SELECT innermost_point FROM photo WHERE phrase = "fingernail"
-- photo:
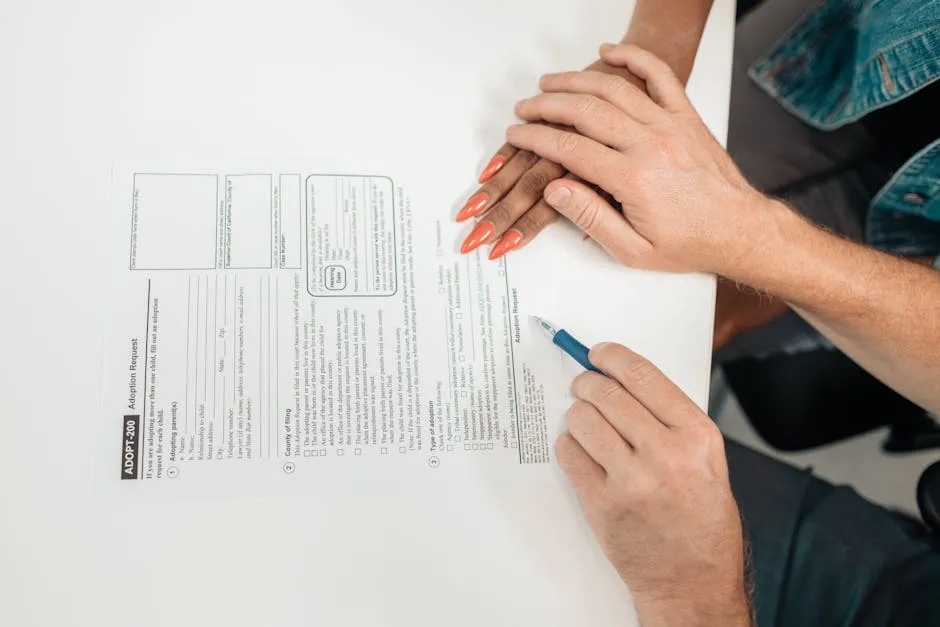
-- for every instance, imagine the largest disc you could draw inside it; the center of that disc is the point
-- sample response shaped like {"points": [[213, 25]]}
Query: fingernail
{"points": [[509, 240], [586, 237], [474, 206], [559, 197], [607, 47], [495, 165], [477, 237]]}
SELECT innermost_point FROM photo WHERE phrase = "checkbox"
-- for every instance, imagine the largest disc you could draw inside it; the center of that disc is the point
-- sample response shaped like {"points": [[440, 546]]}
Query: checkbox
{"points": [[513, 445], [306, 453], [463, 394], [476, 446], [462, 359], [450, 447], [322, 452], [358, 451], [466, 447], [457, 438], [489, 446], [384, 450], [401, 449], [459, 315], [340, 452]]}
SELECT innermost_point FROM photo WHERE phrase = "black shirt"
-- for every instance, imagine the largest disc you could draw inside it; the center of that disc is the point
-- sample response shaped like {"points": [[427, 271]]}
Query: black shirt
{"points": [[907, 126]]}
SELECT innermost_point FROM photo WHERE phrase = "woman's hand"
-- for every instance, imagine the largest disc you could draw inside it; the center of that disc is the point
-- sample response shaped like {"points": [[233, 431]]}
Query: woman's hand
{"points": [[509, 202], [686, 207], [650, 471]]}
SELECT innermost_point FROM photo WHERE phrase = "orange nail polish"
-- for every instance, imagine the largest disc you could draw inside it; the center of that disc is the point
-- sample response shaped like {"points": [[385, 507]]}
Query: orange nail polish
{"points": [[495, 165], [477, 237], [509, 240], [474, 206]]}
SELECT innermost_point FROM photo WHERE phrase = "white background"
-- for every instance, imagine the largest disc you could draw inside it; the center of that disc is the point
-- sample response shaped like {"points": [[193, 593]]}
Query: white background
{"points": [[85, 83]]}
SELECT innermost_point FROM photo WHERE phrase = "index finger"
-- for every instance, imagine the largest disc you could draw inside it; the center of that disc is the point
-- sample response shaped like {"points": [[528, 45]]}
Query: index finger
{"points": [[646, 383]]}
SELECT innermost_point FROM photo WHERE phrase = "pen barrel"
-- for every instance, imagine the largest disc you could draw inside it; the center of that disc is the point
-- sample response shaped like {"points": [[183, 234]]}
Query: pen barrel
{"points": [[577, 350]]}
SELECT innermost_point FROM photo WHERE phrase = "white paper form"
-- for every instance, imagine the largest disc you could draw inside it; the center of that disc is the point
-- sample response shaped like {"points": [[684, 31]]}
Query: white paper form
{"points": [[277, 326]]}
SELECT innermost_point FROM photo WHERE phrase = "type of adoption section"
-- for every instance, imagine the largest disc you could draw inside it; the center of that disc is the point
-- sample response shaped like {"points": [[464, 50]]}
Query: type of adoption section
{"points": [[351, 226]]}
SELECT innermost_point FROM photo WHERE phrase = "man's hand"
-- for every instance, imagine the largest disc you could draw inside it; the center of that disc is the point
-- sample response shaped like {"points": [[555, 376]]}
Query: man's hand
{"points": [[686, 207], [650, 471], [509, 202]]}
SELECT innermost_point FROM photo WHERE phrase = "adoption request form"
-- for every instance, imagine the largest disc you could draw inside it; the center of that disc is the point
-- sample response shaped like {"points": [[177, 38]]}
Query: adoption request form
{"points": [[285, 325]]}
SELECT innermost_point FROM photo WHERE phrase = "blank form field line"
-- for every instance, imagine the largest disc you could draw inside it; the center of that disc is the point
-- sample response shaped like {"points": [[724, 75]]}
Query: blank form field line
{"points": [[277, 362], [189, 312], [205, 353], [215, 344], [269, 367], [260, 418], [196, 422]]}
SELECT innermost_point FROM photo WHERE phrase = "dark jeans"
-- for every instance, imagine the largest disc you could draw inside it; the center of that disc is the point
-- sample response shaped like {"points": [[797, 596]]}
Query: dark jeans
{"points": [[822, 555], [813, 398]]}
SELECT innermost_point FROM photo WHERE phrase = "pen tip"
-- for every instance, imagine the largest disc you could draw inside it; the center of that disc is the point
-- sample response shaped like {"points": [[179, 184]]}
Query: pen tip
{"points": [[545, 325]]}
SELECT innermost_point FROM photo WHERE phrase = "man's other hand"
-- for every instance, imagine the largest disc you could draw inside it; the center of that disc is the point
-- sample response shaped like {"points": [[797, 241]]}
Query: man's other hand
{"points": [[650, 471]]}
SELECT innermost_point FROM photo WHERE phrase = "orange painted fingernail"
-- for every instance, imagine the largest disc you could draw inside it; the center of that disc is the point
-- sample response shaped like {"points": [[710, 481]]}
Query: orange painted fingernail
{"points": [[509, 240], [495, 165], [586, 237], [474, 206], [477, 237]]}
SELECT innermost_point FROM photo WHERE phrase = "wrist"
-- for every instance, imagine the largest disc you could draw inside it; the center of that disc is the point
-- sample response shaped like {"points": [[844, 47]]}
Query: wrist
{"points": [[671, 30], [758, 246]]}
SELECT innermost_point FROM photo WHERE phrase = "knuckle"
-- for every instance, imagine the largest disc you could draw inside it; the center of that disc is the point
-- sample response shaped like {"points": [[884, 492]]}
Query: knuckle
{"points": [[615, 86], [534, 182], [641, 372], [710, 436], [607, 390], [536, 219], [586, 105], [661, 145], [527, 158], [568, 143], [495, 187], [587, 215], [500, 215]]}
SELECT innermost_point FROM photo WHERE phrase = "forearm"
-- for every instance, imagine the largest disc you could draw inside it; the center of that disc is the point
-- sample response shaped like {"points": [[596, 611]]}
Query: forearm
{"points": [[671, 29], [882, 311]]}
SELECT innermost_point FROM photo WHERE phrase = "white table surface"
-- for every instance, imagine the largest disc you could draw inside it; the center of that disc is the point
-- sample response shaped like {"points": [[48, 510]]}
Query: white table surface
{"points": [[86, 83]]}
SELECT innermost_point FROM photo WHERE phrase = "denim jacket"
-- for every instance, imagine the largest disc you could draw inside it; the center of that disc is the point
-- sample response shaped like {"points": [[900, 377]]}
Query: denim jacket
{"points": [[847, 58]]}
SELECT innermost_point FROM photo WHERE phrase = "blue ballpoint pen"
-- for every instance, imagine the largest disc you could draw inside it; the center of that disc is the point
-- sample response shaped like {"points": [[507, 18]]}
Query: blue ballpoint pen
{"points": [[563, 340]]}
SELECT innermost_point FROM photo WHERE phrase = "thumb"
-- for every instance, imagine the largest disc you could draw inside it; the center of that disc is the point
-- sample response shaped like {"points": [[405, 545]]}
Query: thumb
{"points": [[594, 215]]}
